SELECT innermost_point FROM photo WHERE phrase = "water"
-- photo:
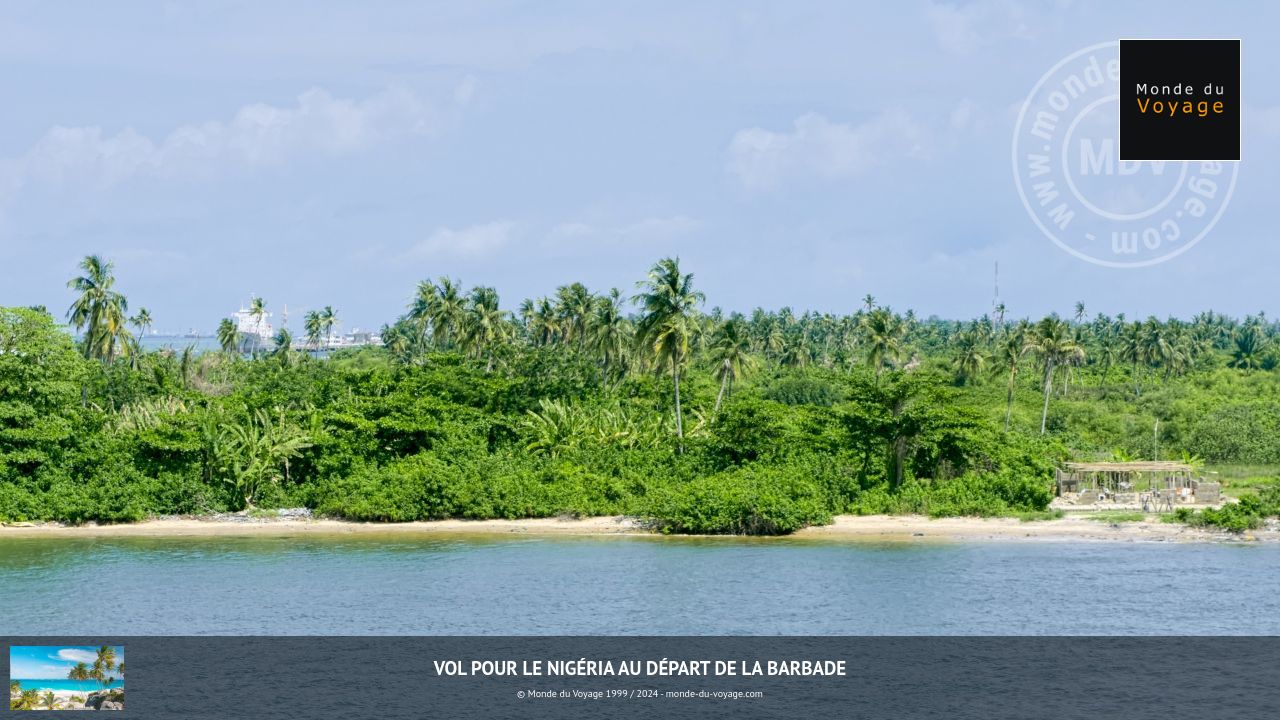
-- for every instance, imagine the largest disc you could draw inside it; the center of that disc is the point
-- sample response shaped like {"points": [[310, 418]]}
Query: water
{"points": [[631, 585], [85, 686]]}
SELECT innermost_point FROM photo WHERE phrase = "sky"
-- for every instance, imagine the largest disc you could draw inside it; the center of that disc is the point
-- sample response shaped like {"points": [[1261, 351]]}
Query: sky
{"points": [[791, 154], [50, 662]]}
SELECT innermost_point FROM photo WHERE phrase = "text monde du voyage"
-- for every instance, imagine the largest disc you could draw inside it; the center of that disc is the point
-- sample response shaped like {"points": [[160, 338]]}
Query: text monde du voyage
{"points": [[1181, 99], [583, 667]]}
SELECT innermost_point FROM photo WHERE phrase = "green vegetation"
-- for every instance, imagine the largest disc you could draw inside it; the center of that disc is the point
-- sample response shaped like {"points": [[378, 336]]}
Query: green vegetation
{"points": [[589, 403], [1117, 516], [20, 699], [1248, 514]]}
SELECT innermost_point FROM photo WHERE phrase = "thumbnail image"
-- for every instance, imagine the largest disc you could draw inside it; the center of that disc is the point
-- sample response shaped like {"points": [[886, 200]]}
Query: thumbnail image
{"points": [[57, 677]]}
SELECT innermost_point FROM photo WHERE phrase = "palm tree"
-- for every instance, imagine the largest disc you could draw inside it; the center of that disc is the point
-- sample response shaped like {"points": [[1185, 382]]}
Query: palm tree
{"points": [[142, 321], [422, 308], [29, 700], [448, 312], [608, 331], [258, 311], [541, 322], [730, 353], [574, 304], [103, 664], [185, 363], [970, 360], [80, 672], [1134, 349], [484, 324], [1250, 348], [1011, 351], [283, 347], [328, 319], [1052, 341], [99, 310], [228, 336], [883, 333], [313, 325], [668, 304], [49, 700]]}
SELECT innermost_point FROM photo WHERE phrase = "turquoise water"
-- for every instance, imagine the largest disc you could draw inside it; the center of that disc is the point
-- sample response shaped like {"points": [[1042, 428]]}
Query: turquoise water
{"points": [[72, 685], [394, 585]]}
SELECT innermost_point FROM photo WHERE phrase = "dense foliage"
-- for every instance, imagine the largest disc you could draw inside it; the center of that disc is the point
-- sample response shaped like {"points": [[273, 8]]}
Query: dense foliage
{"points": [[698, 421]]}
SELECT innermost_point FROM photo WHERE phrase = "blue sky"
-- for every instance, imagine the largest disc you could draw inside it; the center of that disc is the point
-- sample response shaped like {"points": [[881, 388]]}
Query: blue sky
{"points": [[800, 154], [51, 662]]}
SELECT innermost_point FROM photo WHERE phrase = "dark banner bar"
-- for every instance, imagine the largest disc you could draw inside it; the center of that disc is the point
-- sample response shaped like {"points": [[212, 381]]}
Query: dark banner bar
{"points": [[693, 677]]}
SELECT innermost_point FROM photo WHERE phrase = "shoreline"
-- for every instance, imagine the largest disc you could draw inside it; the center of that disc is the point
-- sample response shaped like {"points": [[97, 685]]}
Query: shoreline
{"points": [[850, 528]]}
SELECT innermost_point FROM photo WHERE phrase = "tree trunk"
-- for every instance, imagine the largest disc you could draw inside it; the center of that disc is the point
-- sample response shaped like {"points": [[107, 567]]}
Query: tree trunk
{"points": [[675, 374], [1008, 412], [1048, 390], [724, 382]]}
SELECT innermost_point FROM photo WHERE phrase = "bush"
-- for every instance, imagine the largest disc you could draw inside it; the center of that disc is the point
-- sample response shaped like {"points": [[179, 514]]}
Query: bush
{"points": [[977, 494], [1248, 514], [744, 501]]}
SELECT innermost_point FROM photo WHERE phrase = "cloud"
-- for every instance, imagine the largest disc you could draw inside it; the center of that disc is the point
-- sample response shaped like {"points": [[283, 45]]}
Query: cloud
{"points": [[963, 28], [647, 229], [74, 655], [257, 135], [816, 147], [954, 28], [476, 241]]}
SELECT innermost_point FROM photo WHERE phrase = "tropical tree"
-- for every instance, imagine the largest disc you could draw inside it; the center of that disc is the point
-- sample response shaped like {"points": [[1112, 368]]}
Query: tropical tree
{"points": [[1053, 343], [882, 338], [448, 313], [1010, 352], [27, 700], [484, 325], [256, 452], [1250, 348], [142, 321], [313, 326], [574, 306], [608, 331], [668, 304], [99, 310], [283, 347], [49, 700], [730, 356], [970, 357], [103, 664], [328, 319], [79, 672], [228, 336]]}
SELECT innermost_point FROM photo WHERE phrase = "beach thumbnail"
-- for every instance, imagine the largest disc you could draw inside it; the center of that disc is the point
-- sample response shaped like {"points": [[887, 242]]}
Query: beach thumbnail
{"points": [[66, 677]]}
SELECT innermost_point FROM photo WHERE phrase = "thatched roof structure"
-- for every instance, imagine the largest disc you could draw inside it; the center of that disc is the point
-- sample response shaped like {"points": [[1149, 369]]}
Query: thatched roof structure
{"points": [[1142, 466]]}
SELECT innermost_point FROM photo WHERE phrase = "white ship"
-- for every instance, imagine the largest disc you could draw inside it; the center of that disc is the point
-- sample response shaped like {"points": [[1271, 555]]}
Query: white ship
{"points": [[254, 328]]}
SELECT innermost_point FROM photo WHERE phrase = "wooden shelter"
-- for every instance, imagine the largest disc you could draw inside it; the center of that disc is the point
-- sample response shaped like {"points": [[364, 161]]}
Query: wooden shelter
{"points": [[1125, 481]]}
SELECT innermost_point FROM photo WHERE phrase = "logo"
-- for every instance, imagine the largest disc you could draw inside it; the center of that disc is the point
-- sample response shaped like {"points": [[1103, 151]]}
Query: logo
{"points": [[1180, 100], [1082, 196]]}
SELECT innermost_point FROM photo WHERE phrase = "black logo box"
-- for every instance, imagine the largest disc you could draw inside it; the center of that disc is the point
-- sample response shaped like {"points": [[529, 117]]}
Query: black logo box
{"points": [[1186, 67]]}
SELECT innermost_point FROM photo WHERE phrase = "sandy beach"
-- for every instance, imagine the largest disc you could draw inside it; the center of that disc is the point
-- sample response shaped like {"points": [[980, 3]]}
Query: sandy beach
{"points": [[64, 700], [871, 528]]}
